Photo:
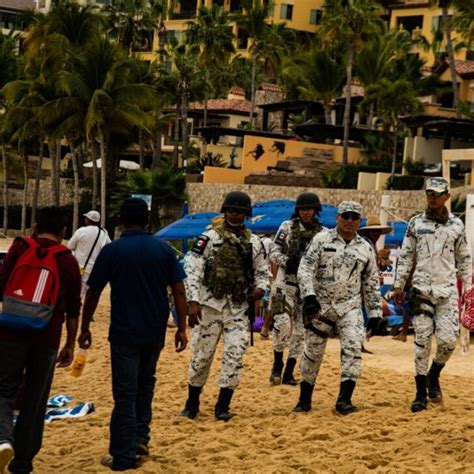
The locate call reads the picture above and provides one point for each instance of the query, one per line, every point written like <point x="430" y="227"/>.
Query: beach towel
<point x="79" y="411"/>
<point x="58" y="401"/>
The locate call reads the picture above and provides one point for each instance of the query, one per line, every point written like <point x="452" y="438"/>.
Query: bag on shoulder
<point x="32" y="290"/>
<point x="467" y="313"/>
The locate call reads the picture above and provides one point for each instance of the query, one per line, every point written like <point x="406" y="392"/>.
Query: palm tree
<point x="393" y="98"/>
<point x="318" y="76"/>
<point x="212" y="37"/>
<point x="446" y="23"/>
<point x="267" y="42"/>
<point x="165" y="182"/>
<point x="348" y="22"/>
<point x="9" y="68"/>
<point x="463" y="20"/>
<point x="100" y="99"/>
<point x="132" y="23"/>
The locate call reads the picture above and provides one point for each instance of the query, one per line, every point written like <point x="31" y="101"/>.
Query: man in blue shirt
<point x="139" y="268"/>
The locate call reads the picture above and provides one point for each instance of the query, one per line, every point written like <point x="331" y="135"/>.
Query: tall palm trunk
<point x="184" y="125"/>
<point x="176" y="139"/>
<point x="95" y="174"/>
<point x="141" y="152"/>
<point x="370" y="119"/>
<point x="347" y="108"/>
<point x="162" y="41"/>
<point x="39" y="168"/>
<point x="253" y="88"/>
<point x="156" y="146"/>
<point x="327" y="114"/>
<point x="103" y="177"/>
<point x="54" y="172"/>
<point x="395" y="148"/>
<point x="5" y="190"/>
<point x="75" y="170"/>
<point x="24" y="202"/>
<point x="58" y="174"/>
<point x="450" y="51"/>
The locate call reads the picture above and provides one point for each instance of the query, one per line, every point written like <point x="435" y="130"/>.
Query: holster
<point x="421" y="304"/>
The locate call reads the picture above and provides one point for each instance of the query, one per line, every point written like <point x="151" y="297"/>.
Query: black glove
<point x="292" y="264"/>
<point x="311" y="307"/>
<point x="373" y="325"/>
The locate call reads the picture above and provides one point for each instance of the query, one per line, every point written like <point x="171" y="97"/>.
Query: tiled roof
<point x="236" y="90"/>
<point x="464" y="68"/>
<point x="223" y="105"/>
<point x="17" y="4"/>
<point x="266" y="86"/>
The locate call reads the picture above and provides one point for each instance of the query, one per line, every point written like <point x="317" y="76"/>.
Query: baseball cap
<point x="93" y="216"/>
<point x="349" y="206"/>
<point x="440" y="185"/>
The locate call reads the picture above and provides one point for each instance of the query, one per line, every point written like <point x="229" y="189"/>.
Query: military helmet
<point x="237" y="200"/>
<point x="308" y="201"/>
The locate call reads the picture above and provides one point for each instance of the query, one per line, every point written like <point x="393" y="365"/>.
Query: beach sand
<point x="265" y="436"/>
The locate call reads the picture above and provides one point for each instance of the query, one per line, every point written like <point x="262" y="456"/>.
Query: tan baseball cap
<point x="93" y="216"/>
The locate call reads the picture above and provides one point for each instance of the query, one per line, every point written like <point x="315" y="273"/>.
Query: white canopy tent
<point x="124" y="164"/>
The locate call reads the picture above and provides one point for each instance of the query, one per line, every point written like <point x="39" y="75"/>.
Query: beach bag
<point x="32" y="290"/>
<point x="467" y="313"/>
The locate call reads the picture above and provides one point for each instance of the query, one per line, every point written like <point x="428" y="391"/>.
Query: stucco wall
<point x="205" y="197"/>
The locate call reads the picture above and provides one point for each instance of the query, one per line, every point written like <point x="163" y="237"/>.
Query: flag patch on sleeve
<point x="200" y="244"/>
<point x="281" y="238"/>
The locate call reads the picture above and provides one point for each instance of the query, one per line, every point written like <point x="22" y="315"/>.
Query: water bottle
<point x="79" y="363"/>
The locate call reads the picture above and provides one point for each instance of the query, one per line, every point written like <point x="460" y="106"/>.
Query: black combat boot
<point x="275" y="376"/>
<point x="420" y="401"/>
<point x="191" y="408"/>
<point x="221" y="409"/>
<point x="344" y="404"/>
<point x="306" y="394"/>
<point x="434" y="390"/>
<point x="288" y="378"/>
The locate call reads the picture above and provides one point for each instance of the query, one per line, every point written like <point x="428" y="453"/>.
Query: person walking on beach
<point x="32" y="265"/>
<point x="227" y="272"/>
<point x="436" y="244"/>
<point x="86" y="244"/>
<point x="291" y="240"/>
<point x="139" y="268"/>
<point x="337" y="275"/>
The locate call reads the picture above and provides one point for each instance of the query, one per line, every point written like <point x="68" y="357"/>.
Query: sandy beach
<point x="264" y="436"/>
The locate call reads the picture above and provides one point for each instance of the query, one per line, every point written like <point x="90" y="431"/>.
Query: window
<point x="271" y="10"/>
<point x="242" y="39"/>
<point x="315" y="17"/>
<point x="410" y="23"/>
<point x="469" y="55"/>
<point x="286" y="11"/>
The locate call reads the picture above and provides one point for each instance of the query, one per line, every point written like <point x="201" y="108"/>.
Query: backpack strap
<point x="54" y="249"/>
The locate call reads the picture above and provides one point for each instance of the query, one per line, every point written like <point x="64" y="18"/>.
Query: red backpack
<point x="32" y="289"/>
<point x="467" y="313"/>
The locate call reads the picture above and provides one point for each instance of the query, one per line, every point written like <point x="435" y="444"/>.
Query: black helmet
<point x="237" y="200"/>
<point x="308" y="201"/>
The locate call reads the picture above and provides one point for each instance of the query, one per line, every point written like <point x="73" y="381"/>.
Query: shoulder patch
<point x="200" y="244"/>
<point x="281" y="237"/>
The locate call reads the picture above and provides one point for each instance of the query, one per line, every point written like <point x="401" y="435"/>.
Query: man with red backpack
<point x="40" y="284"/>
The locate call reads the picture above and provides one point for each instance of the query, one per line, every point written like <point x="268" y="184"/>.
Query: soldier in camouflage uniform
<point x="291" y="240"/>
<point x="337" y="274"/>
<point x="226" y="271"/>
<point x="435" y="242"/>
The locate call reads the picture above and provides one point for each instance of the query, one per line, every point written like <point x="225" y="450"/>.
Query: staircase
<point x="305" y="171"/>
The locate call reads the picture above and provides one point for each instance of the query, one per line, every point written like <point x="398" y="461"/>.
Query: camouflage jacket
<point x="441" y="253"/>
<point x="203" y="252"/>
<point x="341" y="276"/>
<point x="279" y="253"/>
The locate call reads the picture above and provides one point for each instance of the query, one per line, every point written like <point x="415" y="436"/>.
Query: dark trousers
<point x="37" y="364"/>
<point x="133" y="383"/>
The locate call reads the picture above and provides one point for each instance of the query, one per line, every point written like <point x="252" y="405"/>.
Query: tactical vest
<point x="229" y="271"/>
<point x="299" y="239"/>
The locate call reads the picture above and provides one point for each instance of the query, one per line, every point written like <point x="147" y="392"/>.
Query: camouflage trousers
<point x="351" y="332"/>
<point x="444" y="325"/>
<point x="288" y="330"/>
<point x="234" y="331"/>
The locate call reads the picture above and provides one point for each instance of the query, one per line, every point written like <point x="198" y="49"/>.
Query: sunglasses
<point x="432" y="193"/>
<point x="350" y="216"/>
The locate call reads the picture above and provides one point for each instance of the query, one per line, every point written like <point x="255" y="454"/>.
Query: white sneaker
<point x="6" y="455"/>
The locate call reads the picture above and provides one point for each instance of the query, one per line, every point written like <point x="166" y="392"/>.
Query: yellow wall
<point x="293" y="148"/>
<point x="428" y="15"/>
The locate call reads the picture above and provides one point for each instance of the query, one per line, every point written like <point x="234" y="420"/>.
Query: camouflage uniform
<point x="342" y="276"/>
<point x="441" y="253"/>
<point x="288" y="329"/>
<point x="221" y="314"/>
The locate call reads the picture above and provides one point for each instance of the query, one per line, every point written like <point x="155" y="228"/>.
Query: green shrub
<point x="414" y="168"/>
<point x="346" y="178"/>
<point x="406" y="182"/>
